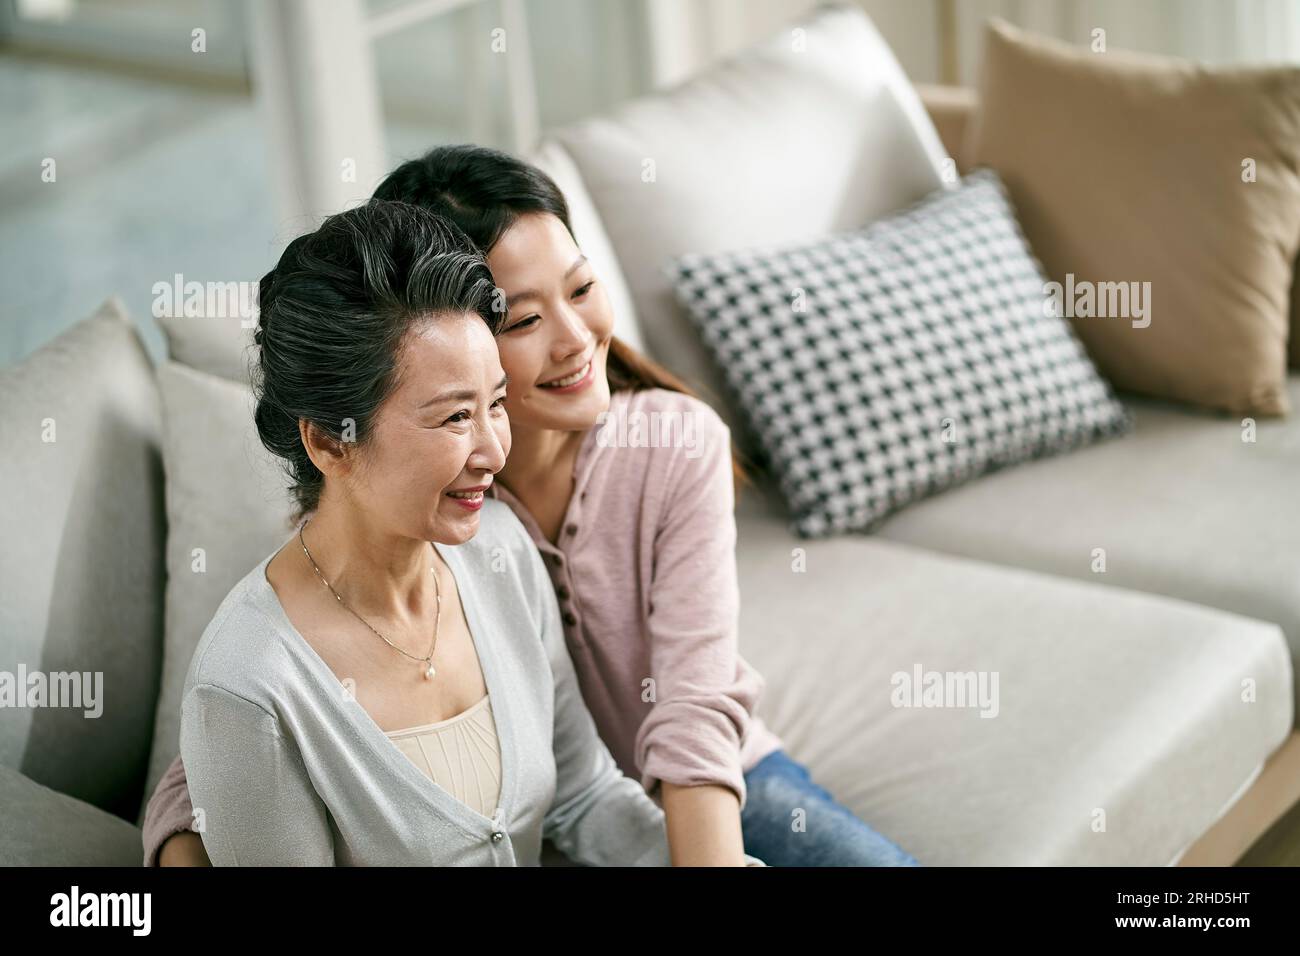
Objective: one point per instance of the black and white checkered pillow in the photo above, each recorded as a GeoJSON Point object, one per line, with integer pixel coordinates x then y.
{"type": "Point", "coordinates": [881, 366]}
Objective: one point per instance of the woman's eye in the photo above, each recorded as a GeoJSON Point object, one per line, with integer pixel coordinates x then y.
{"type": "Point", "coordinates": [583, 290]}
{"type": "Point", "coordinates": [458, 417]}
{"type": "Point", "coordinates": [500, 402]}
{"type": "Point", "coordinates": [524, 323]}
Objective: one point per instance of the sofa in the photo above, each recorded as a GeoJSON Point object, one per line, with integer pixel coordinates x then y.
{"type": "Point", "coordinates": [1146, 713]}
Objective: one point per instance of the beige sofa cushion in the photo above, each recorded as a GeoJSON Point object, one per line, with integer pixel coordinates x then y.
{"type": "Point", "coordinates": [953, 109]}
{"type": "Point", "coordinates": [1109, 700]}
{"type": "Point", "coordinates": [81, 563]}
{"type": "Point", "coordinates": [227, 509]}
{"type": "Point", "coordinates": [218, 345]}
{"type": "Point", "coordinates": [1128, 168]}
{"type": "Point", "coordinates": [1181, 507]}
{"type": "Point", "coordinates": [43, 827]}
{"type": "Point", "coordinates": [781, 143]}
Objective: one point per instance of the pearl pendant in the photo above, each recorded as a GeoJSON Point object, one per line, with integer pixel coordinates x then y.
{"type": "Point", "coordinates": [429, 672]}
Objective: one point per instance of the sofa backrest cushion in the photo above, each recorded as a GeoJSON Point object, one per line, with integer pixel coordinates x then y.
{"type": "Point", "coordinates": [227, 509]}
{"type": "Point", "coordinates": [806, 134]}
{"type": "Point", "coordinates": [81, 567]}
{"type": "Point", "coordinates": [219, 345]}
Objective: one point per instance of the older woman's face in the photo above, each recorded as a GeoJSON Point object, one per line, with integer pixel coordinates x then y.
{"type": "Point", "coordinates": [558, 327]}
{"type": "Point", "coordinates": [441, 436]}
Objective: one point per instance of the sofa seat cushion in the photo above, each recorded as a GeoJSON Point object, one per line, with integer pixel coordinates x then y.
{"type": "Point", "coordinates": [1181, 507]}
{"type": "Point", "coordinates": [1109, 701]}
{"type": "Point", "coordinates": [42, 827]}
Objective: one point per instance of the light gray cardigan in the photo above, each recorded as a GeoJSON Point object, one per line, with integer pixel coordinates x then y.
{"type": "Point", "coordinates": [284, 767]}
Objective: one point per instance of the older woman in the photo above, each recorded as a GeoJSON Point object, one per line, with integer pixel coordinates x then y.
{"type": "Point", "coordinates": [392, 685]}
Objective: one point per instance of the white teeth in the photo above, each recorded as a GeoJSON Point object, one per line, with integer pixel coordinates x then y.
{"type": "Point", "coordinates": [573, 379]}
{"type": "Point", "coordinates": [467, 495]}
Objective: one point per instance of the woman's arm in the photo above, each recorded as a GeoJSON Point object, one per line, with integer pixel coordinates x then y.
{"type": "Point", "coordinates": [169, 837]}
{"type": "Point", "coordinates": [703, 825]}
{"type": "Point", "coordinates": [183, 849]}
{"type": "Point", "coordinates": [704, 693]}
{"type": "Point", "coordinates": [254, 803]}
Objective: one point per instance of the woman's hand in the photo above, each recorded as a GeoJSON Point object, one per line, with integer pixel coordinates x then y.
{"type": "Point", "coordinates": [183, 849]}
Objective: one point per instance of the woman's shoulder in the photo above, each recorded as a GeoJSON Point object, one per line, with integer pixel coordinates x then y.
{"type": "Point", "coordinates": [241, 630]}
{"type": "Point", "coordinates": [665, 401]}
{"type": "Point", "coordinates": [671, 429]}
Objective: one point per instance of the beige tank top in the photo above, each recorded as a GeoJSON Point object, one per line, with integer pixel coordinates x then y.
{"type": "Point", "coordinates": [460, 754]}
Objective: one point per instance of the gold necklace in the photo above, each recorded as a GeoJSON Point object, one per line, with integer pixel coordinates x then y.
{"type": "Point", "coordinates": [427, 660]}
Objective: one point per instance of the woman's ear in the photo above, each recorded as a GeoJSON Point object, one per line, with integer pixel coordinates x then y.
{"type": "Point", "coordinates": [330, 455]}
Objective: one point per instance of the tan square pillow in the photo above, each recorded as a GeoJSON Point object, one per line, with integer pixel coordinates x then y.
{"type": "Point", "coordinates": [1128, 168]}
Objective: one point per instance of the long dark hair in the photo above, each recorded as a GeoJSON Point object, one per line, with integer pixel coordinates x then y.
{"type": "Point", "coordinates": [483, 191]}
{"type": "Point", "coordinates": [333, 316]}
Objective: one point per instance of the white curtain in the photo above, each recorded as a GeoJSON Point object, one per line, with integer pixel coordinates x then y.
{"type": "Point", "coordinates": [1214, 32]}
{"type": "Point", "coordinates": [684, 36]}
{"type": "Point", "coordinates": [940, 40]}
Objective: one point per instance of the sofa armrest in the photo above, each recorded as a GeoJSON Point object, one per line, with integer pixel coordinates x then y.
{"type": "Point", "coordinates": [42, 827]}
{"type": "Point", "coordinates": [951, 109]}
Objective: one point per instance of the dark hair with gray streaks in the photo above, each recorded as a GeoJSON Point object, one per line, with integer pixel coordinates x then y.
{"type": "Point", "coordinates": [334, 314]}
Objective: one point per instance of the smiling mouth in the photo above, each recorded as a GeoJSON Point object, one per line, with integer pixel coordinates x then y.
{"type": "Point", "coordinates": [571, 379]}
{"type": "Point", "coordinates": [469, 494]}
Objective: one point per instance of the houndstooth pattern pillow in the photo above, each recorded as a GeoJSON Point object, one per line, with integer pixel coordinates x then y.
{"type": "Point", "coordinates": [882, 366]}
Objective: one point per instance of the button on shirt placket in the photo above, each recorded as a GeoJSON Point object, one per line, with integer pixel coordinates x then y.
{"type": "Point", "coordinates": [563, 589]}
{"type": "Point", "coordinates": [500, 847]}
{"type": "Point", "coordinates": [560, 575]}
{"type": "Point", "coordinates": [554, 558]}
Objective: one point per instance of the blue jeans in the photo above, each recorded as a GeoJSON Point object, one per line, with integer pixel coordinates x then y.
{"type": "Point", "coordinates": [828, 835]}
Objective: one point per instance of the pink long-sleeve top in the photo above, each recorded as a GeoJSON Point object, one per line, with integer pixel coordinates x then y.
{"type": "Point", "coordinates": [645, 572]}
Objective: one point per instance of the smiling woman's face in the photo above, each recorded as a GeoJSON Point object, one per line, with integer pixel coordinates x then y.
{"type": "Point", "coordinates": [556, 336]}
{"type": "Point", "coordinates": [440, 437]}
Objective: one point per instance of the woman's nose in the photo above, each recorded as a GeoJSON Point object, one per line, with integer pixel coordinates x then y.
{"type": "Point", "coordinates": [490, 454]}
{"type": "Point", "coordinates": [574, 337]}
